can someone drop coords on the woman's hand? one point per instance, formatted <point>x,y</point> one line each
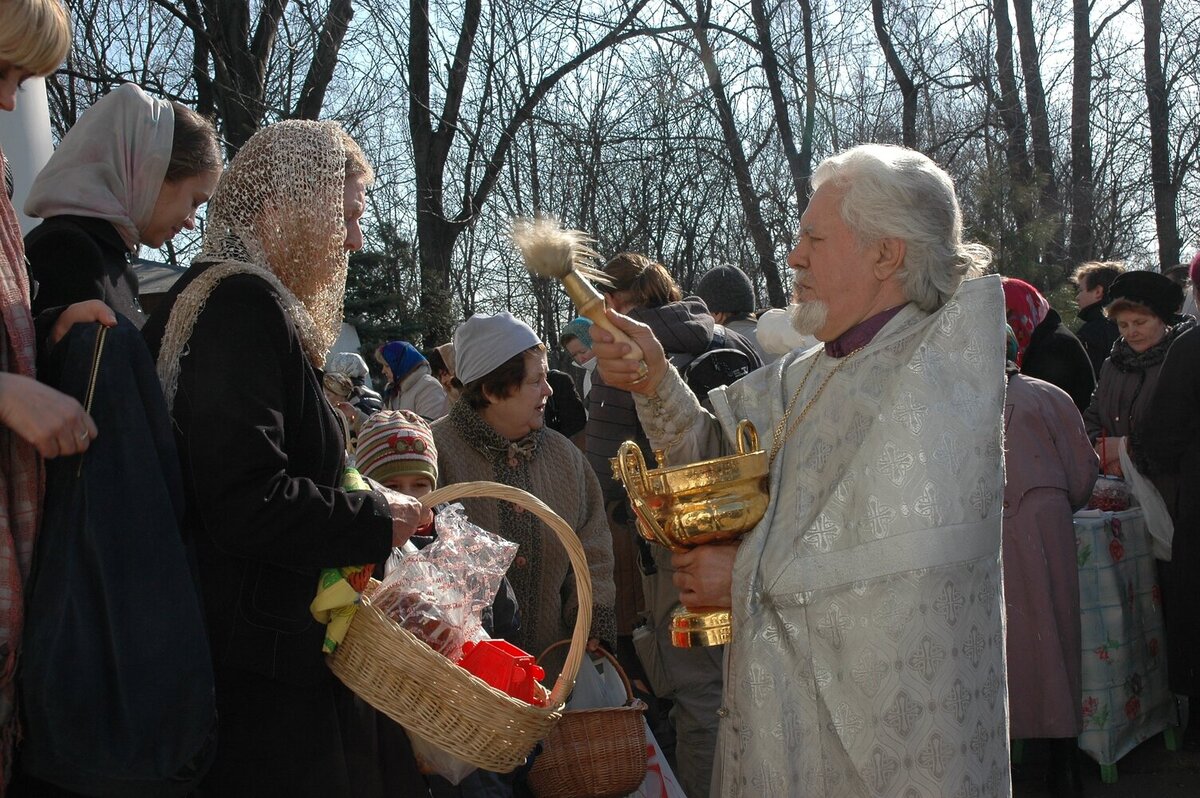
<point>620,372</point>
<point>1109,452</point>
<point>53,422</point>
<point>407,515</point>
<point>82,313</point>
<point>704,575</point>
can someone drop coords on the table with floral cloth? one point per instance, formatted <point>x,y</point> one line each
<point>1125,694</point>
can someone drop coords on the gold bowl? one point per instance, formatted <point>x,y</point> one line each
<point>705,502</point>
<point>711,501</point>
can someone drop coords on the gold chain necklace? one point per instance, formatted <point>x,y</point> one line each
<point>780,436</point>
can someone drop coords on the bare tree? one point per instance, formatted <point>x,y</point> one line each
<point>908,88</point>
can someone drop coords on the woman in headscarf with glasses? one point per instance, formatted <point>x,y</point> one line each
<point>240,343</point>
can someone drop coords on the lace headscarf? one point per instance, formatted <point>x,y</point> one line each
<point>110,165</point>
<point>278,212</point>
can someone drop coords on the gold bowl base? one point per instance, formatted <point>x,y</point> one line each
<point>694,628</point>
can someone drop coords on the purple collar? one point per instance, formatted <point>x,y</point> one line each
<point>861,334</point>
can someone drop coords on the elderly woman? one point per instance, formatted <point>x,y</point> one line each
<point>1050,469</point>
<point>240,343</point>
<point>1145,308</point>
<point>1046,349</point>
<point>132,171</point>
<point>496,431</point>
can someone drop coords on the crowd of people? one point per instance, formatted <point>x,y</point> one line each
<point>928,442</point>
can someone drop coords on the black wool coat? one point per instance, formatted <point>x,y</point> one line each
<point>1055,355</point>
<point>1167,443</point>
<point>262,455</point>
<point>1097,334</point>
<point>76,258</point>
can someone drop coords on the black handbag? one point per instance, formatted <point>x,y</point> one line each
<point>115,678</point>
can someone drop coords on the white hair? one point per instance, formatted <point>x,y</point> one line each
<point>895,192</point>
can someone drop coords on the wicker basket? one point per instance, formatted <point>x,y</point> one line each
<point>428,694</point>
<point>593,753</point>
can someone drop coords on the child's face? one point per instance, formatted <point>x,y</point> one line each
<point>414,485</point>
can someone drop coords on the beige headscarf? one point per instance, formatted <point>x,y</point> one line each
<point>278,212</point>
<point>110,165</point>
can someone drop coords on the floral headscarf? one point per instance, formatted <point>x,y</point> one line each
<point>1025,308</point>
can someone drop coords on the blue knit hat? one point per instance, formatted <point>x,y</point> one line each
<point>580,328</point>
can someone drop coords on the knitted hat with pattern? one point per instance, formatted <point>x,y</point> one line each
<point>396,443</point>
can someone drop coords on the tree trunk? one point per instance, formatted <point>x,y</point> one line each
<point>1166,220</point>
<point>1008,104</point>
<point>324,61</point>
<point>240,63</point>
<point>751,204</point>
<point>908,89</point>
<point>800,168</point>
<point>435,252</point>
<point>1050,213</point>
<point>1081,243</point>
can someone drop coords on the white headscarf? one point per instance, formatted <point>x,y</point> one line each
<point>110,165</point>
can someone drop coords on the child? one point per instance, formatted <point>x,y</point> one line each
<point>395,448</point>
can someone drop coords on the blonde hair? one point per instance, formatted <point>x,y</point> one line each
<point>36,34</point>
<point>356,160</point>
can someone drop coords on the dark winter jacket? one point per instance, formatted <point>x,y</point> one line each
<point>116,676</point>
<point>1167,443</point>
<point>564,412</point>
<point>76,258</point>
<point>685,330</point>
<point>262,455</point>
<point>1097,334</point>
<point>1055,355</point>
<point>1127,385</point>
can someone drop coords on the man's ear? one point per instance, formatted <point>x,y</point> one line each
<point>889,257</point>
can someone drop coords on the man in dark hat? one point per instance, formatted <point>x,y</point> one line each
<point>729,295</point>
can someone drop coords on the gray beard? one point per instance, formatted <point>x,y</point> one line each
<point>808,317</point>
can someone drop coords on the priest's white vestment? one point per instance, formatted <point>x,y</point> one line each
<point>868,618</point>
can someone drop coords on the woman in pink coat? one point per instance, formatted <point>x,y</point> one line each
<point>1050,470</point>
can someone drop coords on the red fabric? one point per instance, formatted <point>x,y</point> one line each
<point>21,475</point>
<point>1026,308</point>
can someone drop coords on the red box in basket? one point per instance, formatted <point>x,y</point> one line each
<point>505,667</point>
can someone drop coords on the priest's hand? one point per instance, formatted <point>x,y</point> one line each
<point>704,575</point>
<point>621,372</point>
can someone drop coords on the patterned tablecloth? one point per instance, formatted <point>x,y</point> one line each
<point>1125,694</point>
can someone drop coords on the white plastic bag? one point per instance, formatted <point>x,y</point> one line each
<point>435,759</point>
<point>660,781</point>
<point>1158,520</point>
<point>598,685</point>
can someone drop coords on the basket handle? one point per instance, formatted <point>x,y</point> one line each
<point>569,541</point>
<point>608,656</point>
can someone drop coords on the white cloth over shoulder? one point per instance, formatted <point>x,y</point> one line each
<point>868,645</point>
